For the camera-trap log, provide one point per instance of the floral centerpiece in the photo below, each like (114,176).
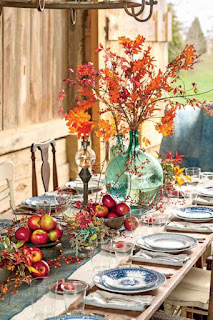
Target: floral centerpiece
(131,88)
(85,229)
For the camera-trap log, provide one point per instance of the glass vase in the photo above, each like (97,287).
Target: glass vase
(134,176)
(118,148)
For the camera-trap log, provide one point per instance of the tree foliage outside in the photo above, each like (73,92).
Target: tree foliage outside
(176,45)
(196,37)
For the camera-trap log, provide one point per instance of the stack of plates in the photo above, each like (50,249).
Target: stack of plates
(94,185)
(167,242)
(194,214)
(42,201)
(129,280)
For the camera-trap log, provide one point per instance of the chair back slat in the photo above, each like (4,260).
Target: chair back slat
(45,167)
(7,194)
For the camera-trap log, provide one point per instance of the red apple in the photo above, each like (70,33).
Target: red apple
(42,267)
(112,215)
(47,223)
(34,222)
(122,209)
(131,223)
(23,234)
(108,201)
(59,228)
(101,211)
(39,237)
(55,235)
(35,254)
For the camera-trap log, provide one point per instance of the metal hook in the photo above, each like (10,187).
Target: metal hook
(40,5)
(150,3)
(73,16)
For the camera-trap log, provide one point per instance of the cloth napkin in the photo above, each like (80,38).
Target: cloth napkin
(160,258)
(206,201)
(118,301)
(190,226)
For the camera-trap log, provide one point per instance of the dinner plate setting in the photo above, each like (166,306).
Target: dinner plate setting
(129,280)
(194,214)
(77,317)
(42,201)
(167,242)
(207,191)
(94,185)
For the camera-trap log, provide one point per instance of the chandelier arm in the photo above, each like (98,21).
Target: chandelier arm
(40,5)
(133,14)
(151,4)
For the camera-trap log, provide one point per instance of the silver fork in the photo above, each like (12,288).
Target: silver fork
(108,300)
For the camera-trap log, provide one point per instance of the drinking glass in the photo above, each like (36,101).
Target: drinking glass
(194,174)
(102,260)
(207,179)
(159,220)
(190,196)
(39,287)
(74,295)
(123,253)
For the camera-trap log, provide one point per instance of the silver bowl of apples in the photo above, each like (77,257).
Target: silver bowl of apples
(113,213)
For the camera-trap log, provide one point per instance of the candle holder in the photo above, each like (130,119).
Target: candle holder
(85,158)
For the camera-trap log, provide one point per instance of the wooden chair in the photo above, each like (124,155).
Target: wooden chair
(45,167)
(7,194)
(194,294)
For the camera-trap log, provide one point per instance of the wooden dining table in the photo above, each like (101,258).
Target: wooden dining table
(176,274)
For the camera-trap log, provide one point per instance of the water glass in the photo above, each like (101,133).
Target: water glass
(194,174)
(74,292)
(190,196)
(102,260)
(123,253)
(207,179)
(159,220)
(39,287)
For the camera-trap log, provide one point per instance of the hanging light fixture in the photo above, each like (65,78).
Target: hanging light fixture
(128,5)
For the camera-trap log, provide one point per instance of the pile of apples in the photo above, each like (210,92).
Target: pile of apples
(110,209)
(35,255)
(41,229)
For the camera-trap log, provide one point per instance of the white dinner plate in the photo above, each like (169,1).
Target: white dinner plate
(174,240)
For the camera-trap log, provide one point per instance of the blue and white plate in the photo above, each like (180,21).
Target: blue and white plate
(150,280)
(129,278)
(171,242)
(207,191)
(194,214)
(47,200)
(77,317)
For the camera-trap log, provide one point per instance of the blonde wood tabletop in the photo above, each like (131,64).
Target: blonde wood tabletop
(162,292)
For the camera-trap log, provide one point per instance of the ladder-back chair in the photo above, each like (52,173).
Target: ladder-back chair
(45,167)
(7,194)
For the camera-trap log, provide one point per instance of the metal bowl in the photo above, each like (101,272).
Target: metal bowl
(114,223)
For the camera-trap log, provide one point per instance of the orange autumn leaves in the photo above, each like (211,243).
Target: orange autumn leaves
(129,87)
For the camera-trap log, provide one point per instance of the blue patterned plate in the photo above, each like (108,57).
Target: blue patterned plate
(129,278)
(195,214)
(77,317)
(152,278)
(207,192)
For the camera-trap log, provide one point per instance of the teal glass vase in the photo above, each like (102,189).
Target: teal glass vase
(118,148)
(134,176)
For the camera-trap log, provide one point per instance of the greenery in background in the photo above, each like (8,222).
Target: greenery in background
(196,37)
(176,45)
